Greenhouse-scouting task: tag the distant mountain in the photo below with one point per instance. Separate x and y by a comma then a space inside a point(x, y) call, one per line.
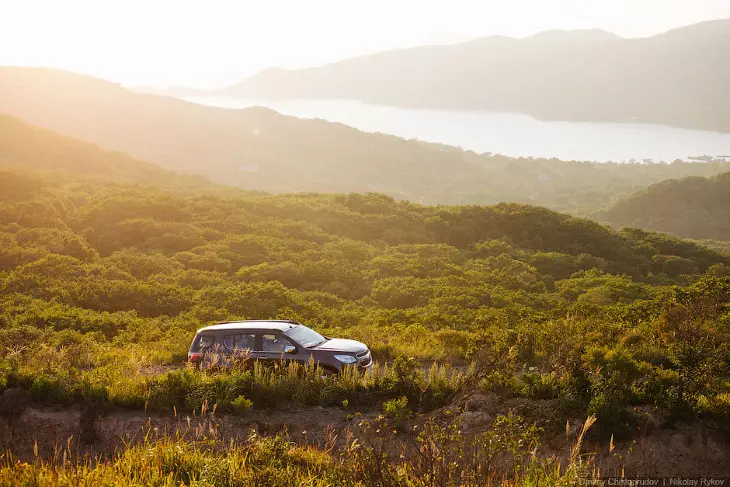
point(691, 207)
point(254, 148)
point(677, 78)
point(25, 145)
point(259, 149)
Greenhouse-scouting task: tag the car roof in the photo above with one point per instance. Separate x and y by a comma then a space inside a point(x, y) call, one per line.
point(275, 325)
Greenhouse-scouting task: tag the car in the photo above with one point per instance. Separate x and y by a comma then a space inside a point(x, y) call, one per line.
point(277, 340)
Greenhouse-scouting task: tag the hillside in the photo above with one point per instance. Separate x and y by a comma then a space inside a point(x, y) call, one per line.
point(347, 261)
point(25, 145)
point(691, 207)
point(102, 287)
point(254, 148)
point(262, 150)
point(677, 78)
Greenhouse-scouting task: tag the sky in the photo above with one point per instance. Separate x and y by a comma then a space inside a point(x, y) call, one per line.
point(212, 43)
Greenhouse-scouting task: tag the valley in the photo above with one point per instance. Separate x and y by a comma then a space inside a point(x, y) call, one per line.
point(529, 232)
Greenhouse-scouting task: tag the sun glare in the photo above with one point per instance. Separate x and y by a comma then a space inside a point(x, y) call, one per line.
point(213, 43)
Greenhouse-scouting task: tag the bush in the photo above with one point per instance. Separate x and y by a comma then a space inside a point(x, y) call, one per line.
point(241, 404)
point(397, 410)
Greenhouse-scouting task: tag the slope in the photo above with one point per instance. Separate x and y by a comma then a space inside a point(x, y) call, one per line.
point(691, 207)
point(260, 149)
point(103, 286)
point(22, 144)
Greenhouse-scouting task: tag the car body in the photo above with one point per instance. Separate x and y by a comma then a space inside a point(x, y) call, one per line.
point(277, 340)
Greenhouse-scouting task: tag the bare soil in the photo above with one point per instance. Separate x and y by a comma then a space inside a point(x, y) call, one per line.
point(693, 449)
point(656, 449)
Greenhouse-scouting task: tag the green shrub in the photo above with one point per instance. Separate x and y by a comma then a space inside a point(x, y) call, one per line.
point(397, 410)
point(540, 386)
point(48, 389)
point(241, 404)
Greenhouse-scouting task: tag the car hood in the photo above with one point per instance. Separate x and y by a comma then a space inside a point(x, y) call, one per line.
point(342, 345)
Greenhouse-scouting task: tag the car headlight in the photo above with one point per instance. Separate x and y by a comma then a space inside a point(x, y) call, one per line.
point(346, 359)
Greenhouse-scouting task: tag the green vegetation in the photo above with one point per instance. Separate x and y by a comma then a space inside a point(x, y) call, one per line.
point(719, 246)
point(109, 264)
point(259, 149)
point(692, 207)
point(235, 390)
point(103, 283)
point(104, 280)
point(435, 456)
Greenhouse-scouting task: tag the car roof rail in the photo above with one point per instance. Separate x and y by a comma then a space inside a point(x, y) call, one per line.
point(293, 322)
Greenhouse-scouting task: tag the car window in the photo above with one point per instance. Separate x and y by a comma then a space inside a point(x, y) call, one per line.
point(306, 337)
point(206, 341)
point(241, 341)
point(271, 342)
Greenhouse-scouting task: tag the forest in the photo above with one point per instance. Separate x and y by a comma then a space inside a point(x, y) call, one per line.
point(692, 207)
point(100, 279)
point(109, 264)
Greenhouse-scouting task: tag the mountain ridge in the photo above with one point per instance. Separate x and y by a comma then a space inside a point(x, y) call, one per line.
point(41, 149)
point(675, 78)
point(259, 149)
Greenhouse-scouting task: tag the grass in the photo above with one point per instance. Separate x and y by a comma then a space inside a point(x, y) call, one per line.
point(375, 456)
point(239, 387)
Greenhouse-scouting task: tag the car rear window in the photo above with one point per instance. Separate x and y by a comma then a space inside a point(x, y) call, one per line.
point(202, 341)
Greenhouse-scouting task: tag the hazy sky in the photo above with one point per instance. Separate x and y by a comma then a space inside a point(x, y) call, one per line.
point(216, 42)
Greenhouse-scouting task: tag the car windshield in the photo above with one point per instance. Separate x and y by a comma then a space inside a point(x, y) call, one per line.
point(304, 336)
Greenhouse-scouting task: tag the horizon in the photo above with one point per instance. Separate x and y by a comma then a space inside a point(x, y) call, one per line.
point(136, 44)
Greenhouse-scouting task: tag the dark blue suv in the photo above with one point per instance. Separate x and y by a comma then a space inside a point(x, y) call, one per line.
point(277, 340)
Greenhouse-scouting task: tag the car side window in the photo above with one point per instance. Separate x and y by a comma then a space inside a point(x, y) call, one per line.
point(271, 342)
point(206, 341)
point(242, 341)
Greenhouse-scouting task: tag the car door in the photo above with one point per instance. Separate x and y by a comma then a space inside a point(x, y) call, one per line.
point(240, 344)
point(273, 346)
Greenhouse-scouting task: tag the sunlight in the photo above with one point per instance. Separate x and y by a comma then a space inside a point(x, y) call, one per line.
point(169, 42)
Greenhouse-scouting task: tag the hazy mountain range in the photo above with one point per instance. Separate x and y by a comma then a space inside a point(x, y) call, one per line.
point(35, 148)
point(678, 78)
point(259, 149)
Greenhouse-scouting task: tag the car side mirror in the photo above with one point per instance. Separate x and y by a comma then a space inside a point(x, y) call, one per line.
point(290, 349)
